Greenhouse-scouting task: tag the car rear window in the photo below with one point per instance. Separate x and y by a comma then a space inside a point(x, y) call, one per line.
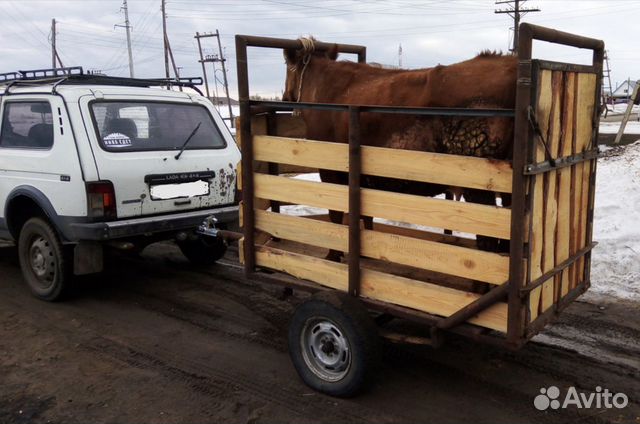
point(138, 126)
point(27, 125)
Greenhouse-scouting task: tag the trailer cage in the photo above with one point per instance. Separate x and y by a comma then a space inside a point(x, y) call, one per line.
point(551, 179)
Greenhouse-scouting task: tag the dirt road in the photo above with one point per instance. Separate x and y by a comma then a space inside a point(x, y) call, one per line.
point(154, 341)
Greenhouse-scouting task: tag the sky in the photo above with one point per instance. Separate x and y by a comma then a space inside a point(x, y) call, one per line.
point(430, 32)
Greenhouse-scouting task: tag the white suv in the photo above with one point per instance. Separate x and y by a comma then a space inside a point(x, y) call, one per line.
point(87, 160)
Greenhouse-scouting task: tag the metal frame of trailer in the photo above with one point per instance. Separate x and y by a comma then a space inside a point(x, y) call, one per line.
point(552, 185)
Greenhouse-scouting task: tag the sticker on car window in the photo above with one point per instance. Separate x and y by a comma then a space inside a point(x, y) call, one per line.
point(117, 140)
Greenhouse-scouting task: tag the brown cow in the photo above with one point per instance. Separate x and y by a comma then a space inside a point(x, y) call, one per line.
point(486, 81)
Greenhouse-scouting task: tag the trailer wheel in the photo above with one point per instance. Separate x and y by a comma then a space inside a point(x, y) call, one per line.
point(45, 262)
point(203, 251)
point(333, 344)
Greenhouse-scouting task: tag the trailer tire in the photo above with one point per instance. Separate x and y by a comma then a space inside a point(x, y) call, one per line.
point(46, 264)
point(334, 344)
point(203, 251)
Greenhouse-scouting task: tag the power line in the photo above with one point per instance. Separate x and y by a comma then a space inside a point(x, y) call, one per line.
point(516, 12)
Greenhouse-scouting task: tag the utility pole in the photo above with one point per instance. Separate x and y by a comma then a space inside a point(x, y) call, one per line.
point(166, 40)
point(204, 70)
point(127, 26)
point(167, 49)
point(224, 74)
point(516, 11)
point(213, 59)
point(607, 87)
point(400, 56)
point(55, 57)
point(53, 43)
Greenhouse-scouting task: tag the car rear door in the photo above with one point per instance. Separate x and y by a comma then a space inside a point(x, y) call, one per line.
point(149, 181)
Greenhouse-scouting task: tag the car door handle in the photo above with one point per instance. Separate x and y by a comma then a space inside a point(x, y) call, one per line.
point(182, 202)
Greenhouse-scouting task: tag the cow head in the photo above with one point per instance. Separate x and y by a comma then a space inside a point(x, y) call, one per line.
point(297, 61)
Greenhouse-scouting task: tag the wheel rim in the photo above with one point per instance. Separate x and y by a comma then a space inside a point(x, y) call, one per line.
point(42, 261)
point(325, 349)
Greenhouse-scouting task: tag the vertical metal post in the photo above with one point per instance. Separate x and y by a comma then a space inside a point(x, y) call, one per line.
point(516, 312)
point(247, 156)
point(598, 61)
point(273, 168)
point(355, 167)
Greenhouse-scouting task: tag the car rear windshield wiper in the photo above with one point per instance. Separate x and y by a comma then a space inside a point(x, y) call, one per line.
point(184, 146)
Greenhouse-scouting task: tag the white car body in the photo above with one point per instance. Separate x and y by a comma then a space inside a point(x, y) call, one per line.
point(155, 192)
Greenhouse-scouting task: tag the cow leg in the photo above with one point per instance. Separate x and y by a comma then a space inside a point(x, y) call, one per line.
point(489, 244)
point(368, 222)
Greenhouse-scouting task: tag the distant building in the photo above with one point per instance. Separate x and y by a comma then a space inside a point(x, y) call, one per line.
point(624, 90)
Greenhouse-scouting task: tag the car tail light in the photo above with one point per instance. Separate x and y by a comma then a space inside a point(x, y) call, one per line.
point(101, 198)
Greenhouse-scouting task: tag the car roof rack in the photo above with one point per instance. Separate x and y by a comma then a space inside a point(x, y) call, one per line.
point(76, 75)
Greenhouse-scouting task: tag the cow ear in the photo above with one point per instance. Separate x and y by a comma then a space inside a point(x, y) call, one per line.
point(290, 55)
point(332, 53)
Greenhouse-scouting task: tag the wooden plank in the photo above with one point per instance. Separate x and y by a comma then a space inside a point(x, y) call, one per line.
point(285, 126)
point(473, 218)
point(550, 200)
point(452, 170)
point(418, 295)
point(584, 133)
point(564, 182)
point(543, 110)
point(412, 232)
point(460, 261)
point(419, 274)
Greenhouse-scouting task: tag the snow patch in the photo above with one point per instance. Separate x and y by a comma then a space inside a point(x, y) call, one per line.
point(615, 267)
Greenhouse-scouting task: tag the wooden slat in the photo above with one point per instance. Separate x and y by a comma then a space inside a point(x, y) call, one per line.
point(460, 261)
point(564, 182)
point(543, 110)
point(422, 296)
point(285, 126)
point(452, 170)
point(486, 220)
point(584, 132)
point(550, 201)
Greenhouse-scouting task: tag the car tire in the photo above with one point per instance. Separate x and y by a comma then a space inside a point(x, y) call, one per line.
point(203, 251)
point(44, 261)
point(334, 344)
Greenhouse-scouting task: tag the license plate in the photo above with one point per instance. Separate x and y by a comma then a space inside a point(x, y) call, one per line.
point(176, 191)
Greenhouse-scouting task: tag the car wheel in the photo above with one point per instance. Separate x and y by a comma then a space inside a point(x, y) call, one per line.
point(43, 260)
point(204, 250)
point(333, 344)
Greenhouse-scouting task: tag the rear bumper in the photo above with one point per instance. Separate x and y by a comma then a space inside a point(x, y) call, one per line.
point(101, 231)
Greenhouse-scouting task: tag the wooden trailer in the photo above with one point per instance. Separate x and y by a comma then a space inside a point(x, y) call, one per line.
point(413, 271)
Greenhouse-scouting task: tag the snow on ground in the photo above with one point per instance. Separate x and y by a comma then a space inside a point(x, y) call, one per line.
point(632, 127)
point(621, 108)
point(616, 260)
